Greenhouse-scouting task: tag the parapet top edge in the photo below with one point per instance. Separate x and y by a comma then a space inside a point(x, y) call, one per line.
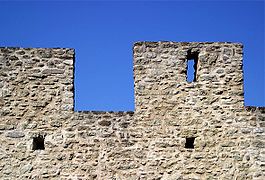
point(37, 48)
point(139, 43)
point(104, 112)
point(94, 111)
point(253, 108)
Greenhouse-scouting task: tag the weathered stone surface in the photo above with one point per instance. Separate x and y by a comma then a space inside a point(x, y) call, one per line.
point(6, 127)
point(26, 169)
point(15, 134)
point(104, 123)
point(36, 100)
point(53, 71)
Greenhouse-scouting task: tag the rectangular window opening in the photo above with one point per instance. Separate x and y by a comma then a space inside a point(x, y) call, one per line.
point(189, 142)
point(38, 143)
point(192, 63)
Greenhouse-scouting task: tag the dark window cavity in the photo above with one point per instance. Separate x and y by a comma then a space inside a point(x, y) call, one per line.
point(38, 143)
point(192, 63)
point(190, 143)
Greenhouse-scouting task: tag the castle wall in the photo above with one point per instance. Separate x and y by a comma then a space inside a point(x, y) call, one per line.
point(36, 99)
point(210, 110)
point(35, 81)
point(80, 145)
point(160, 72)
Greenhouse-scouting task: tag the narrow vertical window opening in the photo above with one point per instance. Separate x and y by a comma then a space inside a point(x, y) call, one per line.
point(192, 62)
point(38, 143)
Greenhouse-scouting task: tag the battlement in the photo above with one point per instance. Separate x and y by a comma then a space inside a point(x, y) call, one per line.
point(162, 66)
point(160, 74)
point(36, 79)
point(182, 128)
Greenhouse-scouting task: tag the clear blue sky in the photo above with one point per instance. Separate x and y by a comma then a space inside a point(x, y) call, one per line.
point(103, 34)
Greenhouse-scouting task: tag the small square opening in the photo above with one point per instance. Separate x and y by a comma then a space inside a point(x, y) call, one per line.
point(189, 142)
point(38, 143)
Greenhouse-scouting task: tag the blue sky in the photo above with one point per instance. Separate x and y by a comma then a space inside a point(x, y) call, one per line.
point(103, 34)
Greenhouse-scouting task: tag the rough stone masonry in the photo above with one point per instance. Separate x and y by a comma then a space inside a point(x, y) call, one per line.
point(179, 130)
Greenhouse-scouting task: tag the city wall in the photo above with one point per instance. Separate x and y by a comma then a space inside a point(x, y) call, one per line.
point(179, 129)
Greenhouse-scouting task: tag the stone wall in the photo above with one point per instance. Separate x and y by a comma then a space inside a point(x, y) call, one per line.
point(35, 81)
point(154, 142)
